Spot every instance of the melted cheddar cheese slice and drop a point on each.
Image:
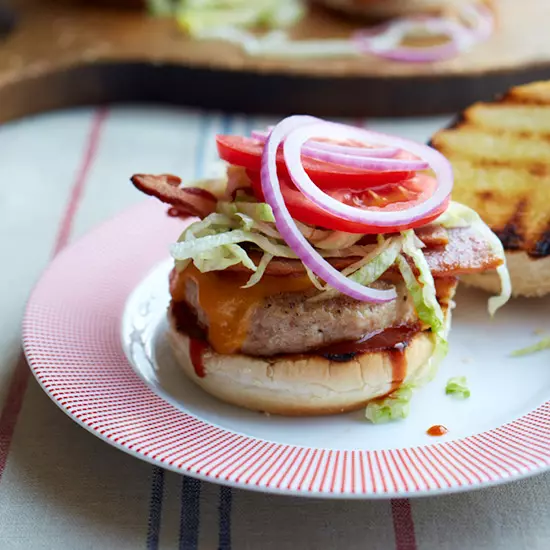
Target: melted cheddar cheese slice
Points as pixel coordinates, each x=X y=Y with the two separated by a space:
x=227 y=307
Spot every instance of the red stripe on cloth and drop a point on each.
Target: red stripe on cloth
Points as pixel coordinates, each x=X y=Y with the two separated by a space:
x=80 y=180
x=20 y=377
x=403 y=524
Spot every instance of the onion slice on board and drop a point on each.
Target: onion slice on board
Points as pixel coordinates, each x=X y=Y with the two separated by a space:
x=384 y=40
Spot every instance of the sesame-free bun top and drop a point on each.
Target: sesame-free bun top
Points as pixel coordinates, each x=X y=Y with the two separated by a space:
x=500 y=155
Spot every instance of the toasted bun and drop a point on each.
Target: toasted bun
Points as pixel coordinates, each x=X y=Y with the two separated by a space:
x=530 y=276
x=303 y=385
x=500 y=154
x=392 y=8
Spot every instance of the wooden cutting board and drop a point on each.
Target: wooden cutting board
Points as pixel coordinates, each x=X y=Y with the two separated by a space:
x=59 y=53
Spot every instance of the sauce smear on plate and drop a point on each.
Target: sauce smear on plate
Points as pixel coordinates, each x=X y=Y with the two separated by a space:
x=437 y=430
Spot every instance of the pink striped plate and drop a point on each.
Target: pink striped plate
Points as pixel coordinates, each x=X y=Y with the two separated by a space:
x=93 y=335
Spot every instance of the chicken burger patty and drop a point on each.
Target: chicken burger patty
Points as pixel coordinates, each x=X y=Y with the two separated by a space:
x=295 y=322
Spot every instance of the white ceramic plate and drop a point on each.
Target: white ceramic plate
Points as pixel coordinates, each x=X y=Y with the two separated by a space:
x=94 y=337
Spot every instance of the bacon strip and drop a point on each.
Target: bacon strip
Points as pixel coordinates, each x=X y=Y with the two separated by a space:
x=466 y=252
x=186 y=201
x=432 y=235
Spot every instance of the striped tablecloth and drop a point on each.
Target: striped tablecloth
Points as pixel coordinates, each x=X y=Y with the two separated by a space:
x=61 y=174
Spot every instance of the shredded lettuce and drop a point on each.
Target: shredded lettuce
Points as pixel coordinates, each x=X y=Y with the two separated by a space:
x=314 y=279
x=260 y=270
x=160 y=8
x=327 y=239
x=422 y=290
x=213 y=243
x=459 y=215
x=370 y=268
x=378 y=262
x=458 y=387
x=423 y=293
x=426 y=373
x=539 y=346
x=257 y=211
x=215 y=18
x=395 y=406
x=222 y=258
x=189 y=249
x=211 y=225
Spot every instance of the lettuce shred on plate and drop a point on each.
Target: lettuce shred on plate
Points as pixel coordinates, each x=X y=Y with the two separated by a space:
x=458 y=387
x=539 y=346
x=395 y=406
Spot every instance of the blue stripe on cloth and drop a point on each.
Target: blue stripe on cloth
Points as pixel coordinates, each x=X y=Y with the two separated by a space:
x=200 y=150
x=155 y=508
x=190 y=513
x=190 y=487
x=226 y=502
x=249 y=125
x=157 y=484
x=226 y=493
x=227 y=124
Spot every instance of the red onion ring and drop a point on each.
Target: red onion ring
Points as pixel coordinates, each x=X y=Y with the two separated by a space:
x=366 y=163
x=298 y=135
x=383 y=40
x=371 y=152
x=287 y=227
x=482 y=18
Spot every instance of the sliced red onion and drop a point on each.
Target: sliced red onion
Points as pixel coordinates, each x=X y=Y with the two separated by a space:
x=481 y=20
x=288 y=229
x=384 y=40
x=295 y=140
x=314 y=147
x=365 y=163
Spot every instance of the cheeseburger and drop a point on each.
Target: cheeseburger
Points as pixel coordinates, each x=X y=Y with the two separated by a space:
x=318 y=275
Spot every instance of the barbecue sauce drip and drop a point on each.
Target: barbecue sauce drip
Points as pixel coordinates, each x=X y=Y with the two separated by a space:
x=399 y=367
x=390 y=338
x=437 y=430
x=395 y=339
x=186 y=322
x=196 y=349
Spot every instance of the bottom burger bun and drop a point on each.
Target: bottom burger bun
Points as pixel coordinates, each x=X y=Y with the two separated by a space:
x=301 y=385
x=392 y=8
x=530 y=276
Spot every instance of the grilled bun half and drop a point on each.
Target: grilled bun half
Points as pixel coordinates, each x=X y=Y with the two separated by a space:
x=303 y=385
x=500 y=153
x=392 y=8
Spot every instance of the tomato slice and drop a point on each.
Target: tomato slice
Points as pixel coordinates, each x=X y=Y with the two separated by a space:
x=381 y=198
x=247 y=152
